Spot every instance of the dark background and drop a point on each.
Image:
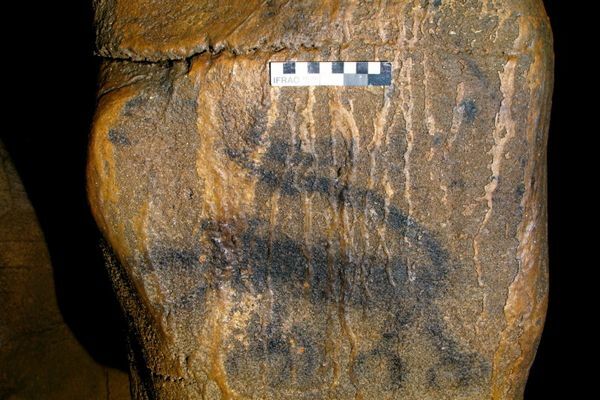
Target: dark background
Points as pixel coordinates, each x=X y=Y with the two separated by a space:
x=52 y=76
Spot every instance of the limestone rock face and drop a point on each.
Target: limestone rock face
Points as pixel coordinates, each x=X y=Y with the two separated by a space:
x=325 y=242
x=40 y=358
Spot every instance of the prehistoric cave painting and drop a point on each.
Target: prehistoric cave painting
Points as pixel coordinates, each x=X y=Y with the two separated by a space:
x=302 y=294
x=340 y=243
x=312 y=300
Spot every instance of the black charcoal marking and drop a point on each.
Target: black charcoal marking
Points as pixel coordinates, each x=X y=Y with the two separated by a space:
x=259 y=259
x=520 y=191
x=523 y=161
x=251 y=258
x=461 y=366
x=284 y=259
x=288 y=260
x=232 y=363
x=278 y=151
x=431 y=377
x=402 y=320
x=118 y=137
x=242 y=135
x=322 y=185
x=190 y=300
x=133 y=105
x=161 y=258
x=396 y=219
x=254 y=134
x=476 y=71
x=269 y=178
x=288 y=186
x=278 y=346
x=309 y=359
x=234 y=153
x=281 y=261
x=382 y=358
x=469 y=110
x=396 y=371
x=457 y=184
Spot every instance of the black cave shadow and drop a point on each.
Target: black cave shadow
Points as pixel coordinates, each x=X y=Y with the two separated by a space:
x=49 y=151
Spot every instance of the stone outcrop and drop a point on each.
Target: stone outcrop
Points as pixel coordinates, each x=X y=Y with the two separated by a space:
x=325 y=243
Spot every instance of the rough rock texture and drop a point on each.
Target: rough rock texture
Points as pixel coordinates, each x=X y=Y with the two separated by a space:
x=39 y=356
x=325 y=243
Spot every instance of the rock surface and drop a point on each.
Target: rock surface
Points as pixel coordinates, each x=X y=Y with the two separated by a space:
x=325 y=243
x=39 y=356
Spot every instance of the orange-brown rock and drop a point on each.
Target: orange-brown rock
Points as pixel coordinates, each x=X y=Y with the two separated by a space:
x=39 y=355
x=325 y=242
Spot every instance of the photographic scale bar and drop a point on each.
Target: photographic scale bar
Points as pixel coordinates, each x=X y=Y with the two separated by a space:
x=331 y=73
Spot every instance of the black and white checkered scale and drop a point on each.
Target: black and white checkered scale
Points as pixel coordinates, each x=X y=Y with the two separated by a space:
x=331 y=73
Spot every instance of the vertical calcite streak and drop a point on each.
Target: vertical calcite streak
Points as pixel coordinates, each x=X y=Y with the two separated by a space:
x=272 y=116
x=433 y=129
x=408 y=112
x=308 y=145
x=381 y=21
x=504 y=131
x=217 y=206
x=344 y=119
x=373 y=148
x=333 y=341
x=209 y=167
x=457 y=116
x=348 y=18
x=345 y=124
x=218 y=323
x=430 y=122
x=407 y=82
